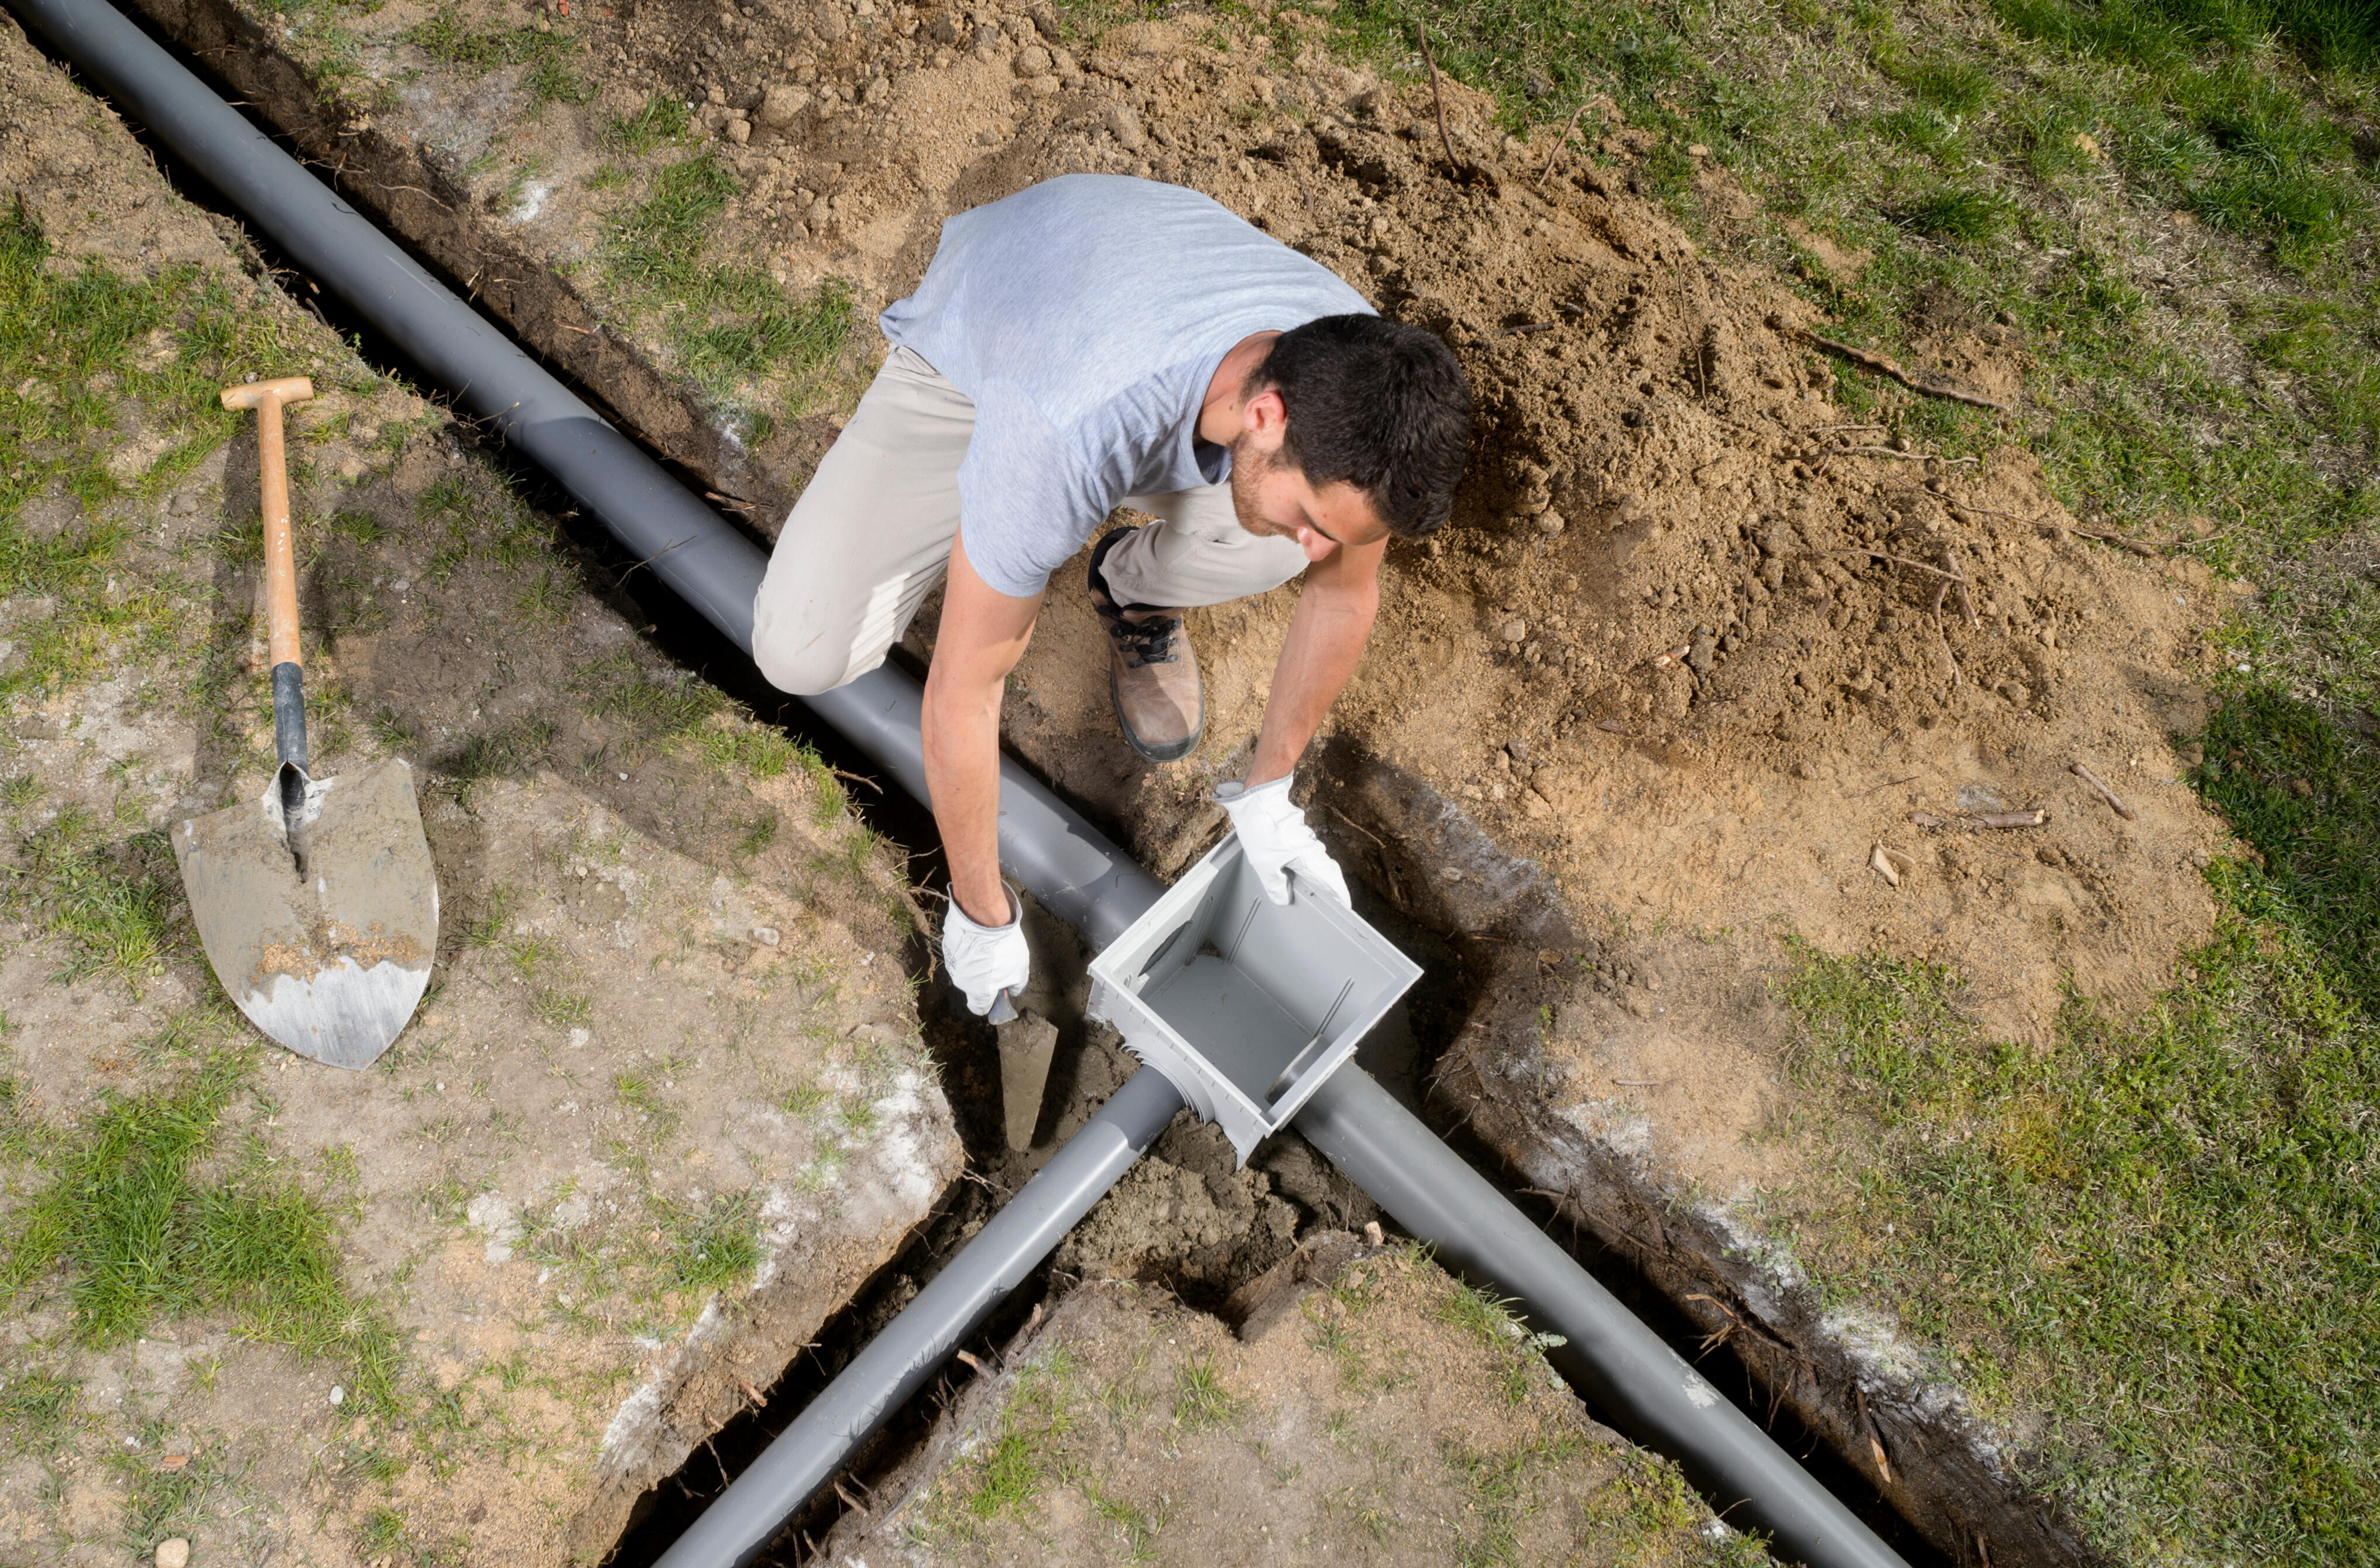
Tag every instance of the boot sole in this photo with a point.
(1172, 752)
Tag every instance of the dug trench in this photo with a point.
(1701, 646)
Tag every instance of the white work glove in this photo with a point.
(1274, 837)
(986, 960)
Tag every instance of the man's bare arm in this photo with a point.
(983, 634)
(1334, 616)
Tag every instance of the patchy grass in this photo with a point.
(83, 352)
(1003, 1477)
(131, 1233)
(1201, 1404)
(754, 349)
(116, 905)
(2160, 1233)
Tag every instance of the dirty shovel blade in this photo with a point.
(330, 963)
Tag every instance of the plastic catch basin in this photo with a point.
(1246, 1006)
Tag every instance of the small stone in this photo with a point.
(739, 131)
(1512, 630)
(339, 1394)
(765, 935)
(780, 104)
(1549, 523)
(174, 1552)
(1124, 125)
(829, 22)
(1536, 805)
(1517, 750)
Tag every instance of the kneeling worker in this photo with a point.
(1090, 342)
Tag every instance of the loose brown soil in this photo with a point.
(1662, 675)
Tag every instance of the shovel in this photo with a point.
(318, 904)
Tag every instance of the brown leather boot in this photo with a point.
(1152, 674)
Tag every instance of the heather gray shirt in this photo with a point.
(1085, 318)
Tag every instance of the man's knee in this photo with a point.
(805, 666)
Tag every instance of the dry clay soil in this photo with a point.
(1683, 664)
(637, 1021)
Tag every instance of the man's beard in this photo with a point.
(1249, 466)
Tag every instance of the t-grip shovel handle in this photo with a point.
(268, 398)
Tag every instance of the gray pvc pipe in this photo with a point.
(898, 1362)
(1067, 864)
(1641, 1385)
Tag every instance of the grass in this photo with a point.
(1201, 1404)
(1003, 1477)
(112, 904)
(132, 1230)
(82, 348)
(2163, 1233)
(728, 326)
(711, 1248)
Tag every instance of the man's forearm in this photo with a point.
(962, 740)
(1326, 641)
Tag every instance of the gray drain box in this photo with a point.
(1246, 1006)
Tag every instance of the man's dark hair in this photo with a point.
(1376, 404)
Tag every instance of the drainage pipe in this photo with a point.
(1638, 1383)
(899, 1361)
(1066, 863)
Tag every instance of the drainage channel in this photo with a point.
(1359, 1124)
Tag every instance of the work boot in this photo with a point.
(1152, 675)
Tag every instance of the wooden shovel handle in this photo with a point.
(268, 398)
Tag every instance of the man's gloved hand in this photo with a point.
(986, 960)
(1274, 837)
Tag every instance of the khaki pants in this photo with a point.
(872, 536)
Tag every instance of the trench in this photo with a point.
(1457, 972)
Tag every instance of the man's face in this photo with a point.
(1274, 500)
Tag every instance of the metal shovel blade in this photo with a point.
(325, 947)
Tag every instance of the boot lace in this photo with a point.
(1149, 641)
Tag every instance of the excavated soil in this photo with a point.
(670, 1009)
(1690, 659)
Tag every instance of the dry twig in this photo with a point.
(2110, 796)
(1940, 594)
(1904, 456)
(1560, 142)
(2031, 819)
(1897, 561)
(1437, 99)
(1959, 576)
(1885, 365)
(2119, 541)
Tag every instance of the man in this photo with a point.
(1090, 342)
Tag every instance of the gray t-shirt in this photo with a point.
(1085, 318)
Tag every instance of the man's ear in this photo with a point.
(1265, 415)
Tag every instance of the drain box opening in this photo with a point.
(1246, 1005)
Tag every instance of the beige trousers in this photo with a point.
(872, 536)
